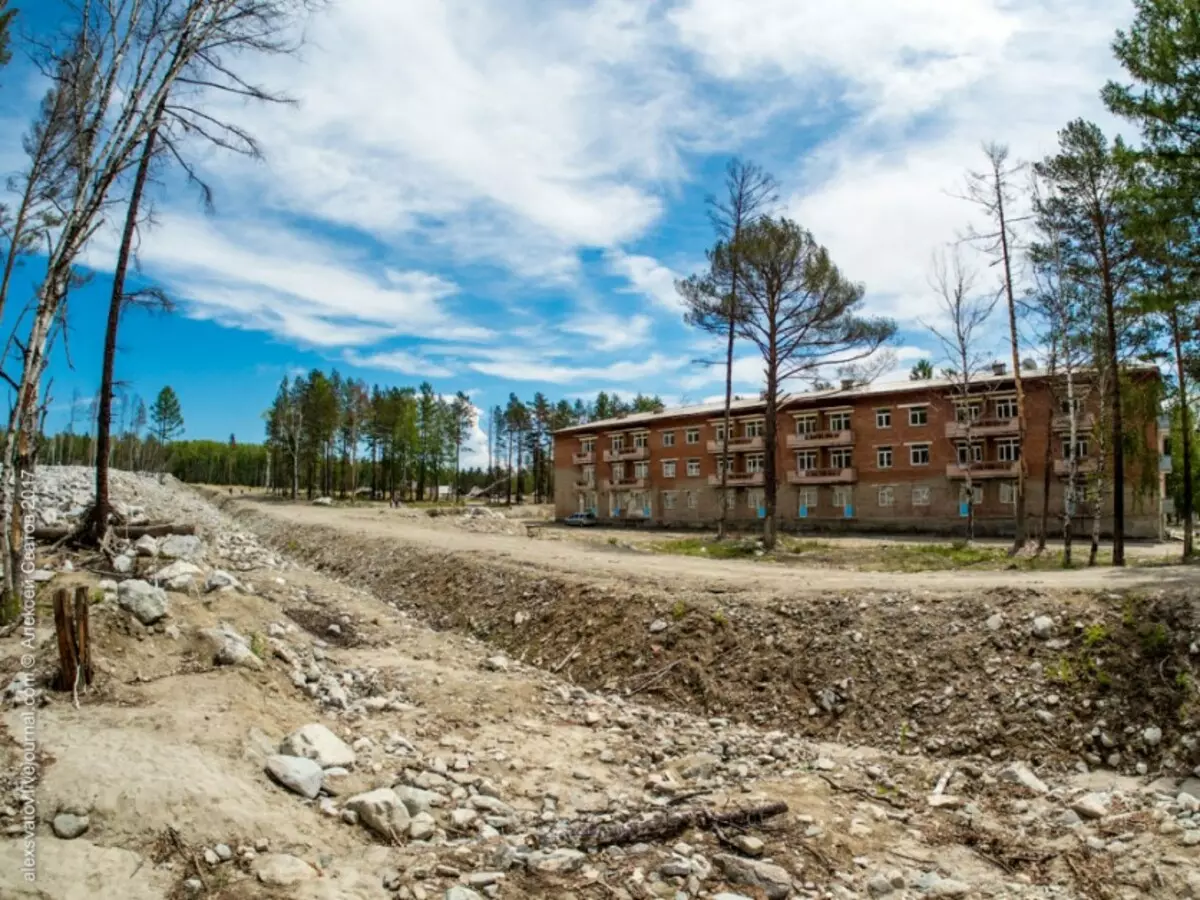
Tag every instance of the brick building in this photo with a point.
(880, 457)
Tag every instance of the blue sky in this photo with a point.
(498, 196)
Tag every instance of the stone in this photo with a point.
(1152, 736)
(774, 881)
(193, 886)
(1190, 787)
(230, 648)
(178, 576)
(180, 546)
(880, 885)
(1019, 773)
(496, 663)
(224, 853)
(726, 895)
(282, 870)
(147, 603)
(560, 861)
(298, 774)
(1091, 806)
(458, 892)
(416, 800)
(657, 626)
(422, 827)
(318, 743)
(69, 826)
(995, 622)
(948, 887)
(123, 564)
(382, 812)
(462, 818)
(220, 580)
(146, 546)
(749, 844)
(1043, 628)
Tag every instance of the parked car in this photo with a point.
(580, 518)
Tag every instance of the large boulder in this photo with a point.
(147, 602)
(303, 776)
(146, 546)
(179, 575)
(382, 812)
(180, 546)
(318, 743)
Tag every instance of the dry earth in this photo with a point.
(926, 741)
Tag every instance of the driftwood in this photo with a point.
(658, 827)
(121, 531)
(74, 646)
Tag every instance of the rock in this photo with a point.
(230, 648)
(774, 880)
(1043, 628)
(462, 818)
(1152, 736)
(558, 861)
(749, 844)
(994, 623)
(318, 743)
(1191, 787)
(458, 892)
(180, 546)
(1091, 806)
(381, 811)
(220, 580)
(323, 501)
(123, 564)
(147, 602)
(658, 625)
(282, 870)
(178, 576)
(193, 886)
(725, 895)
(224, 854)
(496, 663)
(1019, 773)
(296, 773)
(879, 885)
(416, 800)
(422, 827)
(69, 826)
(146, 546)
(948, 887)
(210, 856)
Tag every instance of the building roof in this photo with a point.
(745, 404)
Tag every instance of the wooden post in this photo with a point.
(74, 647)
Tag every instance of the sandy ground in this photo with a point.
(586, 552)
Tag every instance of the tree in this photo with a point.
(965, 313)
(1085, 209)
(797, 309)
(923, 369)
(992, 191)
(463, 421)
(749, 194)
(166, 416)
(6, 17)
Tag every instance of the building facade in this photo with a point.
(890, 457)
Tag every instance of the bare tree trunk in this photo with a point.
(1185, 426)
(1097, 511)
(722, 522)
(1070, 488)
(770, 469)
(1047, 482)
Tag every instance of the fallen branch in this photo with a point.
(652, 679)
(861, 792)
(123, 531)
(188, 856)
(659, 827)
(566, 659)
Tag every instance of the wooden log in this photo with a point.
(122, 531)
(83, 637)
(657, 827)
(74, 641)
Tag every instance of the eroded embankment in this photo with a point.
(1108, 678)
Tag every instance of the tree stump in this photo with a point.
(74, 647)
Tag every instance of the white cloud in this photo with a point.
(648, 277)
(606, 332)
(515, 365)
(398, 361)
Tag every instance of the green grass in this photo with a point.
(708, 548)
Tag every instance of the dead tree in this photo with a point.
(74, 642)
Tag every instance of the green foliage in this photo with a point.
(166, 416)
(678, 610)
(1095, 635)
(258, 645)
(719, 618)
(922, 371)
(6, 17)
(1155, 639)
(708, 548)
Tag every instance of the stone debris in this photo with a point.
(69, 826)
(297, 773)
(316, 742)
(148, 603)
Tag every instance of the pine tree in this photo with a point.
(166, 416)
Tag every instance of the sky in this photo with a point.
(497, 197)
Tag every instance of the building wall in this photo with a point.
(907, 482)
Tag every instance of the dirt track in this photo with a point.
(559, 549)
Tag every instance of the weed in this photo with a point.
(612, 541)
(96, 596)
(1094, 635)
(679, 610)
(1156, 640)
(1063, 672)
(703, 547)
(258, 645)
(903, 736)
(719, 618)
(292, 546)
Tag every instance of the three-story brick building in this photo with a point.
(883, 457)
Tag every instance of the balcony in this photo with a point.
(583, 459)
(994, 468)
(738, 445)
(981, 428)
(1084, 466)
(1084, 422)
(624, 484)
(835, 475)
(738, 479)
(626, 453)
(585, 484)
(831, 438)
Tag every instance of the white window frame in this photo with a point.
(618, 443)
(1008, 450)
(719, 432)
(846, 493)
(756, 497)
(883, 457)
(691, 499)
(975, 454)
(756, 462)
(641, 469)
(618, 471)
(921, 495)
(883, 418)
(838, 421)
(1081, 448)
(668, 439)
(915, 412)
(976, 489)
(967, 412)
(589, 474)
(807, 455)
(803, 496)
(693, 468)
(691, 436)
(587, 445)
(886, 495)
(641, 441)
(668, 500)
(913, 450)
(847, 457)
(807, 423)
(1006, 408)
(1008, 493)
(668, 468)
(756, 428)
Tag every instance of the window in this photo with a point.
(614, 503)
(730, 499)
(639, 503)
(1008, 493)
(968, 412)
(589, 474)
(756, 498)
(808, 498)
(692, 435)
(883, 418)
(693, 468)
(591, 501)
(1006, 408)
(887, 495)
(641, 441)
(918, 415)
(691, 499)
(718, 433)
(668, 500)
(1008, 450)
(806, 424)
(805, 460)
(754, 462)
(976, 490)
(588, 445)
(918, 454)
(641, 470)
(973, 455)
(883, 457)
(1081, 448)
(618, 443)
(920, 496)
(668, 468)
(618, 471)
(668, 439)
(842, 496)
(840, 459)
(1067, 406)
(839, 421)
(722, 463)
(755, 429)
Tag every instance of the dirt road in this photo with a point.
(560, 552)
